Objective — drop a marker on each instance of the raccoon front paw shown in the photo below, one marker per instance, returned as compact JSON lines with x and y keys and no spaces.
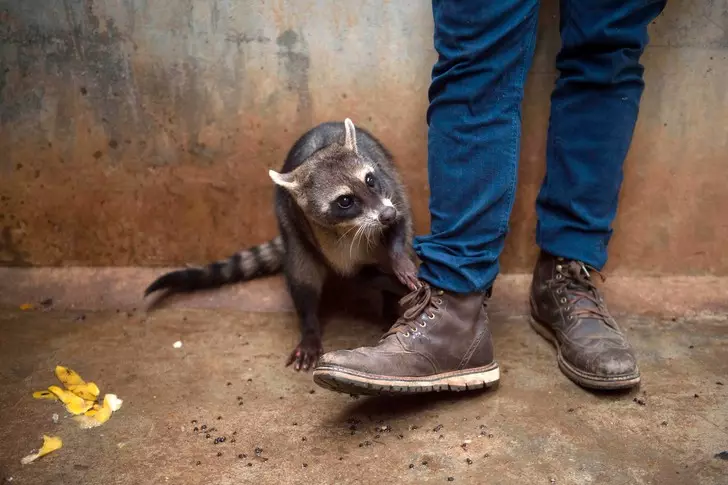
{"x":306,"y":354}
{"x":406,"y":272}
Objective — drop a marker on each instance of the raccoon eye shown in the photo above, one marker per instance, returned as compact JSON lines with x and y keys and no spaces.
{"x":370,"y":180}
{"x":345,"y":201}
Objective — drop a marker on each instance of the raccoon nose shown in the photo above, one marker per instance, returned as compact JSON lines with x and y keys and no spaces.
{"x":387,"y":215}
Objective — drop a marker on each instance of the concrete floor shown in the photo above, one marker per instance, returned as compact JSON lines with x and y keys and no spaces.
{"x":536,"y":428}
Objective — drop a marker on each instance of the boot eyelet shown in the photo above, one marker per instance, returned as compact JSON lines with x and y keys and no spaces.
{"x":406,"y":334}
{"x":437,"y":301}
{"x":559,"y":276}
{"x":423,"y":324}
{"x":563,"y":300}
{"x":558,"y":267}
{"x":431,"y":316}
{"x":559,"y":291}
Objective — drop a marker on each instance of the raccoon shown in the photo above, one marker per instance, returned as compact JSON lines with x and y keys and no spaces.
{"x":341,"y":208}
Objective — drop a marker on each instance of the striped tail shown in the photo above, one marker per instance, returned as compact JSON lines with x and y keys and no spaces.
{"x":262,"y":260}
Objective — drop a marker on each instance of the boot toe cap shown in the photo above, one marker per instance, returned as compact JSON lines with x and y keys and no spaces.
{"x":614,"y":363}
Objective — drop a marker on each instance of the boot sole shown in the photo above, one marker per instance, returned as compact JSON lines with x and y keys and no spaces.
{"x":589,"y":381}
{"x":351,"y":382}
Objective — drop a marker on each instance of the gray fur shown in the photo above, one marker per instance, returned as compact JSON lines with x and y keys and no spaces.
{"x":330,"y":165}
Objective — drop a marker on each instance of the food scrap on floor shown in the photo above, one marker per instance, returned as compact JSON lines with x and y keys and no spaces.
{"x":81,"y":398}
{"x":50,"y":444}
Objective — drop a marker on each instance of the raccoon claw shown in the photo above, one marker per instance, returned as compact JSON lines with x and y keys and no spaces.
{"x":406,"y":273}
{"x":305,"y":355}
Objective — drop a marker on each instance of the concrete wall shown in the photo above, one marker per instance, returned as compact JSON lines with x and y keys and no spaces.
{"x":139,"y":132}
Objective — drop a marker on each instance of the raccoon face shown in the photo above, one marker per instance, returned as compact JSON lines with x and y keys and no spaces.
{"x":341,"y":189}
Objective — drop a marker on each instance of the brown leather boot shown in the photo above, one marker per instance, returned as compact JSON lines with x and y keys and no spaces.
{"x":569,"y":311}
{"x":442,"y":342}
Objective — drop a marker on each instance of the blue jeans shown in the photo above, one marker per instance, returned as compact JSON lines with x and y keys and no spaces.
{"x":485,"y":51}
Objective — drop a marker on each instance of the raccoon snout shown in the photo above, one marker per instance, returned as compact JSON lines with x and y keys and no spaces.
{"x":387,"y":215}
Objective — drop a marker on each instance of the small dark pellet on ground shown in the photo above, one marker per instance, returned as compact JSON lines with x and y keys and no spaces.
{"x":468,"y":461}
{"x":400,"y":436}
{"x":194,"y":421}
{"x":303,"y":439}
{"x":204,"y":427}
{"x":195,"y":428}
{"x":295,"y":423}
{"x":570,"y":410}
{"x":207,"y":435}
{"x":414,"y":427}
{"x":250,"y":380}
{"x":441,"y":437}
{"x":250,"y":464}
{"x":258,"y":451}
{"x":241,"y":456}
{"x":696,"y":396}
{"x":219,"y":417}
{"x":240,"y":403}
{"x":234,"y":433}
{"x":639,"y":401}
{"x":411,"y":465}
{"x":477,"y":417}
{"x":81,"y":318}
{"x":718,"y":383}
{"x":424,"y":462}
{"x":664,"y":423}
{"x":376,"y":436}
{"x":198,"y":463}
{"x":312,"y":391}
{"x":691,"y":347}
{"x":219,"y":453}
{"x":239,"y":398}
{"x":450,"y":479}
{"x":437,"y":428}
{"x":486,"y":455}
{"x":229,"y":384}
{"x":305,"y":465}
{"x":232,"y":440}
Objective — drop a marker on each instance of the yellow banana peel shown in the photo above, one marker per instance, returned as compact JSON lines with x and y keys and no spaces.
{"x":74,"y":404}
{"x":88,"y":391}
{"x":45,"y":395}
{"x":81,"y":398}
{"x":50,"y":443}
{"x":68,"y":377}
{"x":98,"y":415}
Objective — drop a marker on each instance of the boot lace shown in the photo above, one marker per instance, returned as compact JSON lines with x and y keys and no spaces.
{"x":420,"y":304}
{"x":575,"y":278}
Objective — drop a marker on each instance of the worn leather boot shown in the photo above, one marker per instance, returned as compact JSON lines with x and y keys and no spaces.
{"x":569,"y":310}
{"x":442,"y":342}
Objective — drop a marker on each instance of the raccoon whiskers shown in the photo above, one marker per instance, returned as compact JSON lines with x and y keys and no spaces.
{"x":347,"y":232}
{"x":372,"y":229}
{"x":355,"y":239}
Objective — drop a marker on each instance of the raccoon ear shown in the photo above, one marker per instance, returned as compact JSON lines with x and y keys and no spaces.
{"x":350,"y":140}
{"x":285,"y":180}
